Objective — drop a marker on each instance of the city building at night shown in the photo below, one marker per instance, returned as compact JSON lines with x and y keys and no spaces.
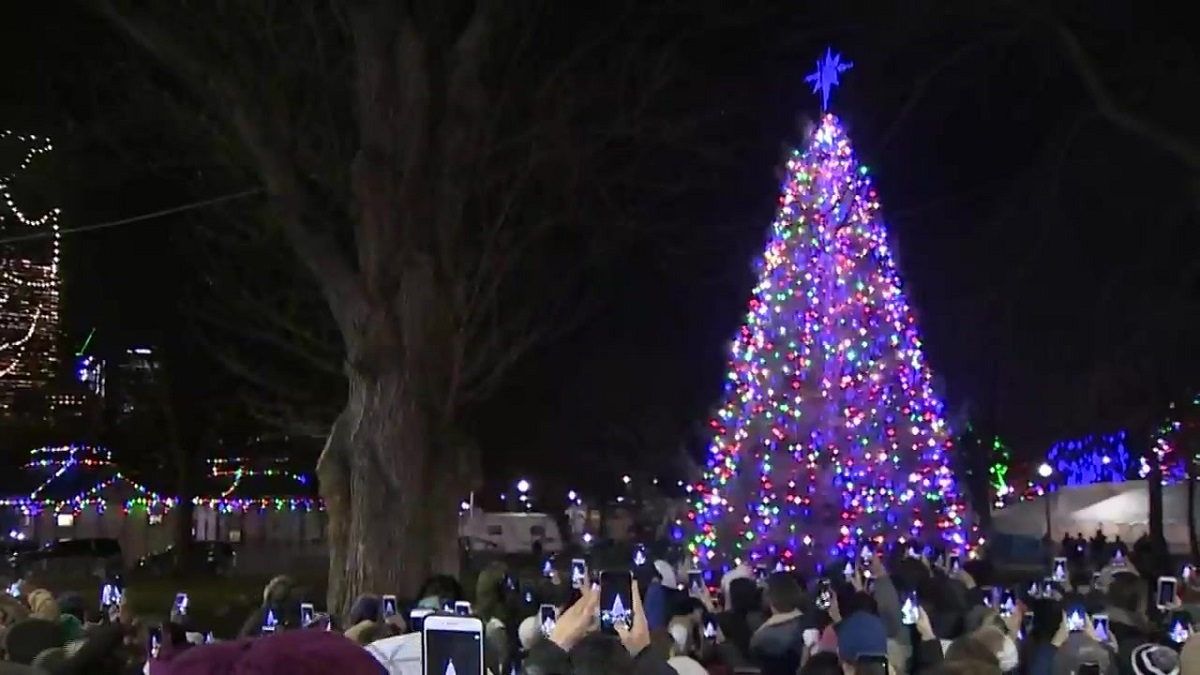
{"x":130,"y":385}
{"x":29,"y":279}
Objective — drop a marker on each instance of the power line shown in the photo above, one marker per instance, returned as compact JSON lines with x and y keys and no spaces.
{"x":134,"y":219}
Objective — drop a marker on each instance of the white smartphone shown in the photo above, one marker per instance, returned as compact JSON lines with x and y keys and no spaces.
{"x":462,"y":608}
{"x":452,"y":645}
{"x":416,"y":618}
{"x":1166,"y":592}
{"x":389,"y":608}
{"x":307,"y":613}
{"x":578,"y":572}
{"x":547,"y":618}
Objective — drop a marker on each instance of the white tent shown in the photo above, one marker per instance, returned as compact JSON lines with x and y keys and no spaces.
{"x":1116,"y":508}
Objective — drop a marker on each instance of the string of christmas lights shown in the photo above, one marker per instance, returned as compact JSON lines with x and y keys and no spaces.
{"x":1107,"y":458}
{"x":998,"y":471}
{"x":29,"y":285}
{"x":830,"y":435}
{"x":60,"y":461}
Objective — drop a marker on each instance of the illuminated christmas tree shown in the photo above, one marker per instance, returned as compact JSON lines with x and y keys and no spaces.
{"x":830,"y":433}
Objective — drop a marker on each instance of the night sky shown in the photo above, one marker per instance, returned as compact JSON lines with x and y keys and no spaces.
{"x":1040,"y":242}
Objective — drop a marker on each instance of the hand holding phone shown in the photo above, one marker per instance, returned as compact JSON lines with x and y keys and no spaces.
{"x":910,"y":611}
{"x":616,"y":600}
{"x":695,"y":581}
{"x":1167,"y":592}
{"x":388,"y":607}
{"x":578,"y":572}
{"x":824,"y":595}
{"x":547,"y":618}
{"x":307,"y":613}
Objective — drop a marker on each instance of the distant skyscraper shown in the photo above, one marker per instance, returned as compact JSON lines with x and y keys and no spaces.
{"x":29,"y":283}
{"x":134,"y":380}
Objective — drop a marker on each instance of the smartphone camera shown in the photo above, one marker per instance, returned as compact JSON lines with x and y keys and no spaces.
{"x":1167,"y":591}
{"x":695,"y":581}
{"x":989,"y":596}
{"x":639,"y":556}
{"x":954,"y":563}
{"x":848,"y":570}
{"x":910,"y":611}
{"x":307,"y":613}
{"x":270,"y":622}
{"x":616,"y":600}
{"x":578,"y":572}
{"x":1076,"y":620}
{"x":14,"y":589}
{"x":1008,"y":602}
{"x":1100,"y":626}
{"x":1180,"y":630}
{"x":547,"y":618}
{"x":710,"y":630}
{"x":452,"y":645}
{"x":1187,"y":573}
{"x":154,"y":644}
{"x":389,"y":608}
{"x":110,"y":595}
{"x":1047,"y":590}
{"x":1059,"y":571}
{"x":824,"y":595}
{"x":1027,"y":621}
{"x":548,"y":568}
{"x":181,"y":603}
{"x":416,"y":618}
{"x":462,"y":608}
{"x":761,"y":572}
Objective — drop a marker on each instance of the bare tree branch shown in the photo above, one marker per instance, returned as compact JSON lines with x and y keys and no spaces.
{"x":1183,"y":149}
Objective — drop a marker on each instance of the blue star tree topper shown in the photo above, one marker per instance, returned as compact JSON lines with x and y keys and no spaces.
{"x":827,"y":75}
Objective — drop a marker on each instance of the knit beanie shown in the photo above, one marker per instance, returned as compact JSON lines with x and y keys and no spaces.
{"x":26,"y":639}
{"x":1154,"y":659}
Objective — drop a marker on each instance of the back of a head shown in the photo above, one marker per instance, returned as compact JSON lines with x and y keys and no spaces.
{"x":872,"y":665}
{"x":1126,"y":591}
{"x":42,"y":605}
{"x":969,"y":648}
{"x":529,"y":632}
{"x":600,"y":654}
{"x":822,"y":663}
{"x":744,"y":596}
{"x":1079,"y":649}
{"x":26,"y":639}
{"x":783,"y":593}
{"x":686,"y":665}
{"x":305,"y":652}
{"x":277,"y":590}
{"x":966,"y":667}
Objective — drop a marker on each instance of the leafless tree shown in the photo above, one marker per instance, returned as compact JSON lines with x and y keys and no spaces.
{"x":428,"y":163}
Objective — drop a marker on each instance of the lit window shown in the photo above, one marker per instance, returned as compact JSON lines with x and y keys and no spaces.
{"x":65,"y":520}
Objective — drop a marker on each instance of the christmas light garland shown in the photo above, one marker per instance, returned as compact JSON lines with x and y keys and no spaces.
{"x":61,"y":460}
{"x":20,"y":275}
{"x":831,"y":435}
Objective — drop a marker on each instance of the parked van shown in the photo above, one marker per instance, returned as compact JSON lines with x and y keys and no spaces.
{"x":509,"y":532}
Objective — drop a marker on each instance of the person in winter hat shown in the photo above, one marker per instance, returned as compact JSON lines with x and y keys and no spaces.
{"x":1152,"y":659}
{"x":26,"y":639}
{"x":297,"y":652}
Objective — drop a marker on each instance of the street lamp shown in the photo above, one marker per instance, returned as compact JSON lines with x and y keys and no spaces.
{"x":1045,"y":471}
{"x":522,"y":486}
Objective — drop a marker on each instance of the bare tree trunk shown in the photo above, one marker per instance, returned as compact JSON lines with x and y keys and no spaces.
{"x":391,"y":482}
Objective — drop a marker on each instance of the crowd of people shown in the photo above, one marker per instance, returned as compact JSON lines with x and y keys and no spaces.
{"x":900,"y":614}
